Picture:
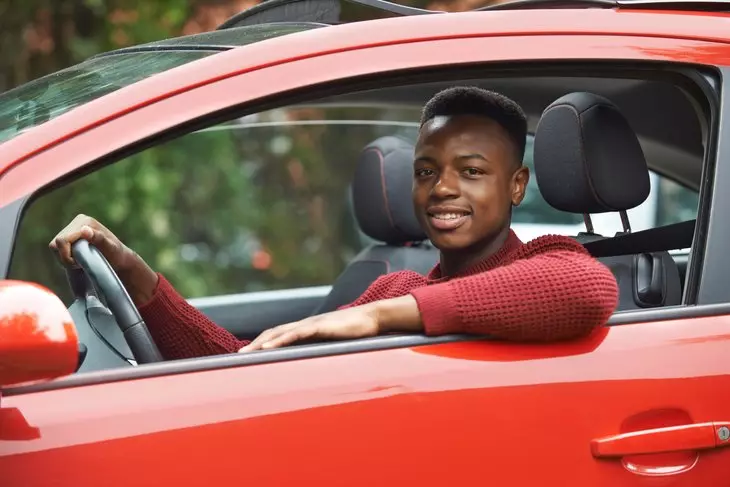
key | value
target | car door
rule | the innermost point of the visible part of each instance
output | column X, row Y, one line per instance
column 390, row 410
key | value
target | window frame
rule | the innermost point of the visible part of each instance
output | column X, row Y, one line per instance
column 352, row 83
column 215, row 112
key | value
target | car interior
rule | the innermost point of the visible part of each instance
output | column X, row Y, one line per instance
column 596, row 138
column 667, row 121
column 577, row 163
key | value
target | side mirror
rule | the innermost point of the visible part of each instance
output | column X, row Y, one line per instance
column 38, row 339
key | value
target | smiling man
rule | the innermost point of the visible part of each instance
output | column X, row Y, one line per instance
column 467, row 177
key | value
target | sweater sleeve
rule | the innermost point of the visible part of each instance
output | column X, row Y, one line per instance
column 182, row 331
column 556, row 295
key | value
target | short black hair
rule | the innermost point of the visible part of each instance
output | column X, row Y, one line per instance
column 471, row 100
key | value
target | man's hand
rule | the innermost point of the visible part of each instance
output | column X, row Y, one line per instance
column 398, row 314
column 119, row 256
column 139, row 279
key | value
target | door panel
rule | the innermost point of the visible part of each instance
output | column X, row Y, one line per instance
column 453, row 414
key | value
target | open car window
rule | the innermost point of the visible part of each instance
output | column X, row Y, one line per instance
column 262, row 202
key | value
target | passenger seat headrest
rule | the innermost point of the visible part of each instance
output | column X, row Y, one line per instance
column 381, row 192
column 587, row 157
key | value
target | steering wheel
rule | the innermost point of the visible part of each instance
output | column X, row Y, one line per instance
column 97, row 269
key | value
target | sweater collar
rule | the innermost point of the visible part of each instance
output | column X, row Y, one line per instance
column 495, row 260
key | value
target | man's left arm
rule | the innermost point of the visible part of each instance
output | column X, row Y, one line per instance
column 558, row 295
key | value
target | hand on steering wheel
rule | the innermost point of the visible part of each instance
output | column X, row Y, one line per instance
column 86, row 246
column 133, row 327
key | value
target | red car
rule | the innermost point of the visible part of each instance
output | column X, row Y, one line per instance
column 227, row 159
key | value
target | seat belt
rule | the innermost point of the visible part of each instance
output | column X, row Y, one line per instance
column 669, row 237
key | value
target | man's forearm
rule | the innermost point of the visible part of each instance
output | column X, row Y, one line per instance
column 140, row 281
column 398, row 314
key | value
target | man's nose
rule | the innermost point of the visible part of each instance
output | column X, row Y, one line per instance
column 447, row 186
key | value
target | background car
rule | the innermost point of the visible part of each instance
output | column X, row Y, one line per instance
column 227, row 160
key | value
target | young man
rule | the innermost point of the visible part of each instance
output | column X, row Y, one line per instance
column 468, row 174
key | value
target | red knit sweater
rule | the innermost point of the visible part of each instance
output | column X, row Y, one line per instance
column 547, row 289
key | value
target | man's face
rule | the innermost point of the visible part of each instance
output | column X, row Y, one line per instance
column 466, row 180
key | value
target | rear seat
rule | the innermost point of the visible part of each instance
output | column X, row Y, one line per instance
column 588, row 160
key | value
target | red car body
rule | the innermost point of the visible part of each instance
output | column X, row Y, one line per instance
column 638, row 404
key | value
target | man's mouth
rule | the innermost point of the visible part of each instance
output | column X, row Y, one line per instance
column 448, row 220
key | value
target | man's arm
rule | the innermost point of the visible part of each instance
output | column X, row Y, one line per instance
column 557, row 295
column 180, row 330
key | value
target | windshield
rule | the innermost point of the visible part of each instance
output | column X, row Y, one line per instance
column 38, row 101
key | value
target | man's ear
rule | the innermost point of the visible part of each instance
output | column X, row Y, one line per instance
column 520, row 179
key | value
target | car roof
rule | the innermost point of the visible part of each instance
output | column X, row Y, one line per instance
column 707, row 26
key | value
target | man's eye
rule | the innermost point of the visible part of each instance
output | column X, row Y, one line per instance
column 424, row 172
column 472, row 171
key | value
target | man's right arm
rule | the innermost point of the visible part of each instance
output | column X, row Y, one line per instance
column 179, row 329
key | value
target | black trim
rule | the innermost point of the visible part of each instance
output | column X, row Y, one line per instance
column 394, row 8
column 243, row 18
column 714, row 265
column 9, row 221
column 550, row 4
column 388, row 7
column 684, row 5
column 190, row 45
column 703, row 89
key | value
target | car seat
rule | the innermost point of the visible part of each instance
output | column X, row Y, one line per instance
column 589, row 160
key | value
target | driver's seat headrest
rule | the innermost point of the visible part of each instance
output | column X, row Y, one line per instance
column 381, row 192
column 587, row 157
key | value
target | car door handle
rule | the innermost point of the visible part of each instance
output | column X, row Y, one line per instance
column 700, row 436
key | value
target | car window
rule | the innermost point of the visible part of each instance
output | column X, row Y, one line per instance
column 258, row 203
column 262, row 203
column 43, row 99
